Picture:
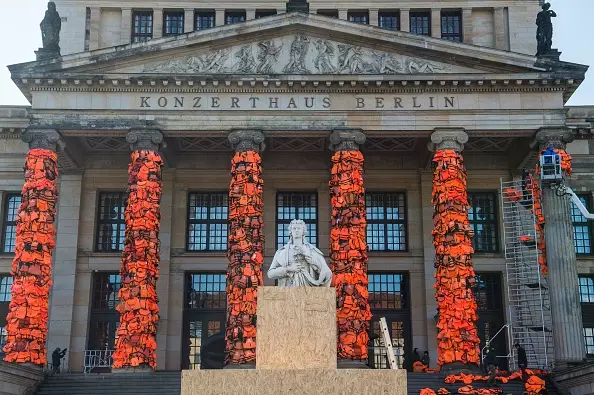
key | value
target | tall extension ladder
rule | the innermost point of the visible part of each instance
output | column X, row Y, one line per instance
column 527, row 288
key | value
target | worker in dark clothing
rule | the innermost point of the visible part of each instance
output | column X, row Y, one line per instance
column 425, row 360
column 57, row 356
column 522, row 360
column 416, row 356
column 491, row 362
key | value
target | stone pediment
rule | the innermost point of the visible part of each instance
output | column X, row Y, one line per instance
column 297, row 54
column 288, row 44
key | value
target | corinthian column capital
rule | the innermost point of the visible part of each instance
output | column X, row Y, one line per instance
column 347, row 140
column 43, row 138
column 247, row 140
column 448, row 138
column 145, row 139
column 554, row 137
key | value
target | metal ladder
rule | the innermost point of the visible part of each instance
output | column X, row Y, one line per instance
column 527, row 289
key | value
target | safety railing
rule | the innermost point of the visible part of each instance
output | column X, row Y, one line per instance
column 97, row 359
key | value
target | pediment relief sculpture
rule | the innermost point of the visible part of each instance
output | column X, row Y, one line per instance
column 300, row 54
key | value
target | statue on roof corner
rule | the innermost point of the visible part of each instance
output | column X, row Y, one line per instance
column 544, row 30
column 50, row 29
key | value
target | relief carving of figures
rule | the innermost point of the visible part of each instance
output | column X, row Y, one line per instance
column 214, row 62
column 323, row 62
column 386, row 63
column 350, row 59
column 188, row 65
column 246, row 63
column 267, row 56
column 299, row 48
column 418, row 66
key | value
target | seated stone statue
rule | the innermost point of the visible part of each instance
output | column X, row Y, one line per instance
column 299, row 263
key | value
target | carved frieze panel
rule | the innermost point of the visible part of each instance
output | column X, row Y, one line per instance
column 489, row 144
column 300, row 54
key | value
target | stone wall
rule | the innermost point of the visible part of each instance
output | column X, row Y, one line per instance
column 19, row 379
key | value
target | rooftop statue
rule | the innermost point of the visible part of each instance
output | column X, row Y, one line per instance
column 298, row 263
column 50, row 28
column 544, row 30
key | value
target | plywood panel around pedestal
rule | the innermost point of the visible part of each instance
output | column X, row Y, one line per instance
column 297, row 382
column 296, row 328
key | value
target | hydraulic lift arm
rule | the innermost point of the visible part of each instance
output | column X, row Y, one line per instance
column 565, row 190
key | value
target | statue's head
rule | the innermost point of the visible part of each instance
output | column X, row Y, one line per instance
column 51, row 6
column 297, row 230
column 546, row 6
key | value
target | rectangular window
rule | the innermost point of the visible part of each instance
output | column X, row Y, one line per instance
column 582, row 231
column 389, row 20
column 386, row 221
column 387, row 291
column 329, row 13
column 296, row 205
column 482, row 216
column 586, row 289
column 589, row 340
column 204, row 20
column 420, row 23
column 5, row 285
column 106, row 286
column 207, row 221
column 451, row 26
column 11, row 210
column 487, row 291
column 264, row 13
column 110, row 221
column 173, row 23
column 359, row 17
column 87, row 28
column 142, row 26
column 232, row 17
column 206, row 291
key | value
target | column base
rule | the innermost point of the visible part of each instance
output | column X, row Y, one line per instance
column 351, row 364
column 144, row 368
column 238, row 366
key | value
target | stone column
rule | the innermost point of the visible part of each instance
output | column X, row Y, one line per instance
column 220, row 17
column 94, row 28
column 457, row 341
column 189, row 20
column 499, row 28
column 348, row 248
column 157, row 23
column 246, row 244
column 27, row 319
column 126, row 26
column 436, row 22
column 373, row 17
column 343, row 13
column 568, row 337
column 139, row 313
column 405, row 20
column 467, row 25
column 250, row 14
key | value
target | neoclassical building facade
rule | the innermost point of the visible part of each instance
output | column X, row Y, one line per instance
column 198, row 82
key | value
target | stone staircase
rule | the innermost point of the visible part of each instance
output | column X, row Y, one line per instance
column 157, row 383
column 417, row 381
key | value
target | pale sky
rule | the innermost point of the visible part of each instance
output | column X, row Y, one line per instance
column 20, row 36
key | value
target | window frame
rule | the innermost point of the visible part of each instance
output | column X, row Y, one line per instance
column 176, row 14
column 363, row 14
column 451, row 36
column 586, row 223
column 389, row 14
column 5, row 222
column 204, row 14
column 491, row 289
column 386, row 221
column 420, row 14
column 108, row 316
column 263, row 13
column 330, row 13
column 188, row 282
column 143, row 37
column 494, row 222
column 405, row 291
column 233, row 14
column 207, row 222
column 278, row 221
column 99, row 222
column 587, row 309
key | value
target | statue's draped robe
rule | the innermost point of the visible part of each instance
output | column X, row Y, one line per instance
column 50, row 30
column 317, row 273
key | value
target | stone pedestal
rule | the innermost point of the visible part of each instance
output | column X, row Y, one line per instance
column 296, row 353
column 296, row 328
